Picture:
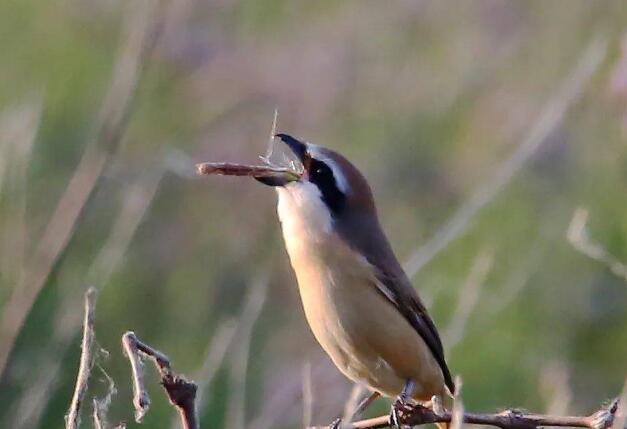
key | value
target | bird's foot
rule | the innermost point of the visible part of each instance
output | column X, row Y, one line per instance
column 336, row 424
column 401, row 410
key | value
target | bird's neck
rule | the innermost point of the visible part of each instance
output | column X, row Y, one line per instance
column 306, row 224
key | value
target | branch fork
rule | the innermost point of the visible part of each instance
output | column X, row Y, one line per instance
column 180, row 392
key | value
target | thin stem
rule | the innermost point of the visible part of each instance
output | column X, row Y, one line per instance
column 73, row 418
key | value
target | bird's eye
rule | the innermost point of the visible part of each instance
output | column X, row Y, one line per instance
column 320, row 170
column 322, row 176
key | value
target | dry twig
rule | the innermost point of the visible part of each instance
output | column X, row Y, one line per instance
column 180, row 392
column 508, row 419
column 231, row 169
column 73, row 418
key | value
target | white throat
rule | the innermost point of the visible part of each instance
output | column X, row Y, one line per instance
column 305, row 218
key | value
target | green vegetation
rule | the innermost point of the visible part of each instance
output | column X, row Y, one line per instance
column 428, row 98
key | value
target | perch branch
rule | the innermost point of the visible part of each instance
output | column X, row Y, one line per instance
column 180, row 392
column 73, row 418
column 508, row 419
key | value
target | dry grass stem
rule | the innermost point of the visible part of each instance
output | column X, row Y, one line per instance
column 307, row 395
column 457, row 417
column 214, row 357
column 578, row 236
column 468, row 298
column 351, row 404
column 270, row 147
column 554, row 387
column 236, row 411
column 549, row 119
column 19, row 126
column 73, row 418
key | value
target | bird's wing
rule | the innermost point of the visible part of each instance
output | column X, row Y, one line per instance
column 400, row 293
column 391, row 281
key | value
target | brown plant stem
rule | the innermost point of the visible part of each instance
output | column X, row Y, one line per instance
column 180, row 392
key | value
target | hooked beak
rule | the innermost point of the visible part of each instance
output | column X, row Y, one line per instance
column 283, row 178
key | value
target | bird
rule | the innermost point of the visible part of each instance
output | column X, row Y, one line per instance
column 358, row 301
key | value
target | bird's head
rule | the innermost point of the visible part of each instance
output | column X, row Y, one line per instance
column 328, row 189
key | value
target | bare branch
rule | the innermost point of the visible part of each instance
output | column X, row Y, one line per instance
column 548, row 120
column 180, row 392
column 508, row 419
column 73, row 418
column 578, row 236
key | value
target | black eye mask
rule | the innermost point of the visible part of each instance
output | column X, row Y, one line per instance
column 321, row 175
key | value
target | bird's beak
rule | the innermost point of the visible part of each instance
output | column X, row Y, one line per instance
column 283, row 178
column 299, row 148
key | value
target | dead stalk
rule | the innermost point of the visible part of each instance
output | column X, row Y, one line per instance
column 73, row 418
column 180, row 392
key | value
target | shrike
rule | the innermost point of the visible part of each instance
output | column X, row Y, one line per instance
column 358, row 301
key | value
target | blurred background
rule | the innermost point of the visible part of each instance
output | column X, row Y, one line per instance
column 492, row 133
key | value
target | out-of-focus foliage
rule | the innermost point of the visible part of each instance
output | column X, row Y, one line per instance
column 426, row 97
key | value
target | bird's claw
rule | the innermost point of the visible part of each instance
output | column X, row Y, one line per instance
column 400, row 412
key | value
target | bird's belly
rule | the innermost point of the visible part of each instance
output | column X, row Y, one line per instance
column 365, row 336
